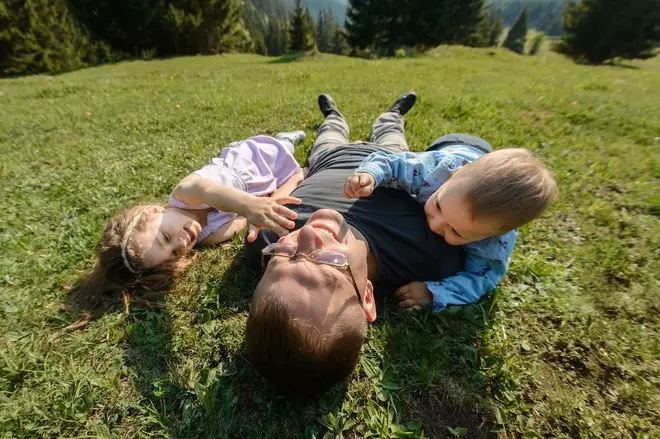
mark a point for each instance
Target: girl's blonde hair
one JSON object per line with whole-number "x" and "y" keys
{"x": 111, "y": 279}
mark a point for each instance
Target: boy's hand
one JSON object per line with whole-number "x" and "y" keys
{"x": 414, "y": 296}
{"x": 268, "y": 213}
{"x": 359, "y": 185}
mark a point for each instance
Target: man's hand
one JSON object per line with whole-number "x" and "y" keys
{"x": 359, "y": 185}
{"x": 268, "y": 213}
{"x": 414, "y": 296}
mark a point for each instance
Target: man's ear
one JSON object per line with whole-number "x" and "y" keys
{"x": 369, "y": 303}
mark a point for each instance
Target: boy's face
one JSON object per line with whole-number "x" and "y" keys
{"x": 449, "y": 214}
{"x": 168, "y": 235}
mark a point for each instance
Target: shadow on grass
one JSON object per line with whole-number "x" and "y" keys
{"x": 436, "y": 361}
{"x": 120, "y": 58}
{"x": 611, "y": 63}
{"x": 201, "y": 383}
{"x": 215, "y": 392}
{"x": 288, "y": 58}
{"x": 246, "y": 406}
{"x": 625, "y": 66}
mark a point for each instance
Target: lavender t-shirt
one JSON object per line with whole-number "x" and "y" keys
{"x": 257, "y": 165}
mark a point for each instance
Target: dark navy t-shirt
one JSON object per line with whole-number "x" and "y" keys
{"x": 392, "y": 222}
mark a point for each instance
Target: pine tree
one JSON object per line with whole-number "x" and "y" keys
{"x": 266, "y": 21}
{"x": 601, "y": 30}
{"x": 206, "y": 27}
{"x": 255, "y": 25}
{"x": 310, "y": 25}
{"x": 495, "y": 32}
{"x": 338, "y": 44}
{"x": 301, "y": 35}
{"x": 128, "y": 26}
{"x": 490, "y": 29}
{"x": 537, "y": 42}
{"x": 325, "y": 27}
{"x": 389, "y": 24}
{"x": 361, "y": 23}
{"x": 166, "y": 27}
{"x": 41, "y": 36}
{"x": 276, "y": 37}
{"x": 517, "y": 36}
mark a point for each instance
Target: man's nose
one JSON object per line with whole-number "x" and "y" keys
{"x": 309, "y": 239}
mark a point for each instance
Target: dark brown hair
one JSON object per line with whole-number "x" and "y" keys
{"x": 510, "y": 185}
{"x": 110, "y": 279}
{"x": 298, "y": 357}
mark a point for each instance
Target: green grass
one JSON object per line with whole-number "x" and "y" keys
{"x": 566, "y": 347}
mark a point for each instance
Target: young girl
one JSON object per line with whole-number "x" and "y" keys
{"x": 145, "y": 246}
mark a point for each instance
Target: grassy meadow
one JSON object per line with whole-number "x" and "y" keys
{"x": 566, "y": 347}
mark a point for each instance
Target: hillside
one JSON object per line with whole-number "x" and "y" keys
{"x": 565, "y": 347}
{"x": 338, "y": 7}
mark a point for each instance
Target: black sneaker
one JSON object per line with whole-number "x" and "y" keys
{"x": 327, "y": 105}
{"x": 404, "y": 103}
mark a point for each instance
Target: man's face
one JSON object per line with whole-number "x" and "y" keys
{"x": 168, "y": 235}
{"x": 319, "y": 292}
{"x": 449, "y": 214}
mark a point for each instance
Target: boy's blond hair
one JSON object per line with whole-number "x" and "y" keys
{"x": 510, "y": 185}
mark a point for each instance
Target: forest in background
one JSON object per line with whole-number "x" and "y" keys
{"x": 61, "y": 35}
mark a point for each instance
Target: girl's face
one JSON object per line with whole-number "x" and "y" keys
{"x": 167, "y": 236}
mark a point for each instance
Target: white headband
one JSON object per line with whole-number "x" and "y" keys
{"x": 127, "y": 236}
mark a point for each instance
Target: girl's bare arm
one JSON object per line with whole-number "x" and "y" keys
{"x": 265, "y": 212}
{"x": 288, "y": 186}
{"x": 226, "y": 232}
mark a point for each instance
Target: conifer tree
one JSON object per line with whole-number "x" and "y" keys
{"x": 517, "y": 36}
{"x": 41, "y": 36}
{"x": 601, "y": 30}
{"x": 339, "y": 46}
{"x": 494, "y": 32}
{"x": 325, "y": 27}
{"x": 310, "y": 25}
{"x": 267, "y": 23}
{"x": 390, "y": 24}
{"x": 129, "y": 26}
{"x": 276, "y": 37}
{"x": 490, "y": 29}
{"x": 361, "y": 23}
{"x": 166, "y": 27}
{"x": 301, "y": 34}
{"x": 537, "y": 42}
{"x": 206, "y": 27}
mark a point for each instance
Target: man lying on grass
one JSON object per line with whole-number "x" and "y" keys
{"x": 308, "y": 315}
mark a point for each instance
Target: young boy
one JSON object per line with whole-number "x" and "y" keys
{"x": 473, "y": 196}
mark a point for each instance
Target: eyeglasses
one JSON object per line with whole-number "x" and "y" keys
{"x": 320, "y": 257}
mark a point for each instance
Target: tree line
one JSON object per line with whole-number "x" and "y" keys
{"x": 276, "y": 31}
{"x": 386, "y": 25}
{"x": 58, "y": 35}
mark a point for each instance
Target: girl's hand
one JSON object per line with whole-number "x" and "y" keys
{"x": 359, "y": 185}
{"x": 414, "y": 296}
{"x": 268, "y": 213}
